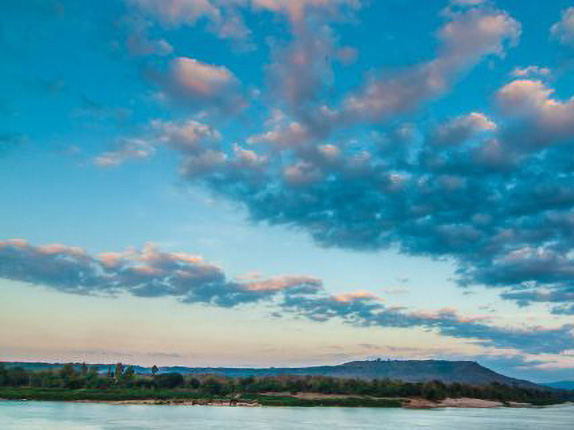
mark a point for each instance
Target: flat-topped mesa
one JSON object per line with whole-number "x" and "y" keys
{"x": 465, "y": 372}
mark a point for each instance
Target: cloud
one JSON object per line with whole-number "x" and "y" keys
{"x": 225, "y": 18}
{"x": 300, "y": 71}
{"x": 531, "y": 71}
{"x": 145, "y": 273}
{"x": 563, "y": 30}
{"x": 201, "y": 79}
{"x": 468, "y": 37}
{"x": 222, "y": 16}
{"x": 461, "y": 129}
{"x": 185, "y": 136}
{"x": 179, "y": 11}
{"x": 139, "y": 42}
{"x": 562, "y": 297}
{"x": 202, "y": 86}
{"x": 467, "y": 2}
{"x": 127, "y": 149}
{"x": 297, "y": 10}
{"x": 542, "y": 119}
{"x": 366, "y": 311}
{"x": 292, "y": 133}
{"x": 189, "y": 136}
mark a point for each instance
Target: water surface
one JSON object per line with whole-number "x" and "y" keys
{"x": 82, "y": 416}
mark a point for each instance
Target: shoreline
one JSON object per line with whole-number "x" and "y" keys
{"x": 406, "y": 403}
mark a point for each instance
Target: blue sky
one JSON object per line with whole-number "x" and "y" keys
{"x": 273, "y": 182}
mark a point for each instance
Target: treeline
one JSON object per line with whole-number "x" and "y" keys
{"x": 119, "y": 377}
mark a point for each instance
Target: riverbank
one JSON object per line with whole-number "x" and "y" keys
{"x": 415, "y": 403}
{"x": 181, "y": 398}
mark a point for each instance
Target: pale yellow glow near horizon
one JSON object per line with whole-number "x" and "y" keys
{"x": 40, "y": 324}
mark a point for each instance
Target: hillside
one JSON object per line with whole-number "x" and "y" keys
{"x": 464, "y": 372}
{"x": 563, "y": 385}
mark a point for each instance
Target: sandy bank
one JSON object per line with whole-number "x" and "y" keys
{"x": 409, "y": 403}
{"x": 464, "y": 402}
{"x": 173, "y": 402}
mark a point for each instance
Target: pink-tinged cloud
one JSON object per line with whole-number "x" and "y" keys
{"x": 279, "y": 283}
{"x": 542, "y": 119}
{"x": 466, "y": 39}
{"x": 283, "y": 135}
{"x": 356, "y": 295}
{"x": 139, "y": 42}
{"x": 189, "y": 135}
{"x": 203, "y": 86}
{"x": 462, "y": 128}
{"x": 302, "y": 173}
{"x": 223, "y": 16}
{"x": 127, "y": 149}
{"x": 202, "y": 79}
{"x": 296, "y": 10}
{"x": 531, "y": 71}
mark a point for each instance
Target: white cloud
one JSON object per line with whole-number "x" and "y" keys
{"x": 185, "y": 136}
{"x": 462, "y": 128}
{"x": 203, "y": 85}
{"x": 202, "y": 79}
{"x": 563, "y": 30}
{"x": 546, "y": 118}
{"x": 531, "y": 71}
{"x": 128, "y": 149}
{"x": 224, "y": 19}
{"x": 466, "y": 39}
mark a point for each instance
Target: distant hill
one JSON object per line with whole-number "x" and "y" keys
{"x": 464, "y": 372}
{"x": 564, "y": 385}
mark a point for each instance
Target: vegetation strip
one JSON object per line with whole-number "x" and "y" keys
{"x": 123, "y": 384}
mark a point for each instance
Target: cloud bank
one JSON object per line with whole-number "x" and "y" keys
{"x": 190, "y": 279}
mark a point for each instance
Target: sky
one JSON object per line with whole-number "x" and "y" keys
{"x": 288, "y": 182}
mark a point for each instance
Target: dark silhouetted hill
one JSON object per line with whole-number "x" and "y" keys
{"x": 464, "y": 372}
{"x": 563, "y": 385}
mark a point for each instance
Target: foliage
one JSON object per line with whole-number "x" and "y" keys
{"x": 67, "y": 383}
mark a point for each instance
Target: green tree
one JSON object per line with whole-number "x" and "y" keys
{"x": 129, "y": 373}
{"x": 169, "y": 380}
{"x": 119, "y": 371}
{"x": 3, "y": 375}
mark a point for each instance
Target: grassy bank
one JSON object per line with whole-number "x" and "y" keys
{"x": 56, "y": 394}
{"x": 182, "y": 395}
{"x": 349, "y": 402}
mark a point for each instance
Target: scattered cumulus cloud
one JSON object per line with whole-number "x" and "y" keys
{"x": 531, "y": 71}
{"x": 461, "y": 129}
{"x": 202, "y": 85}
{"x": 222, "y": 16}
{"x": 465, "y": 39}
{"x": 127, "y": 149}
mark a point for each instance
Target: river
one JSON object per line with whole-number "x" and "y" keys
{"x": 23, "y": 415}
